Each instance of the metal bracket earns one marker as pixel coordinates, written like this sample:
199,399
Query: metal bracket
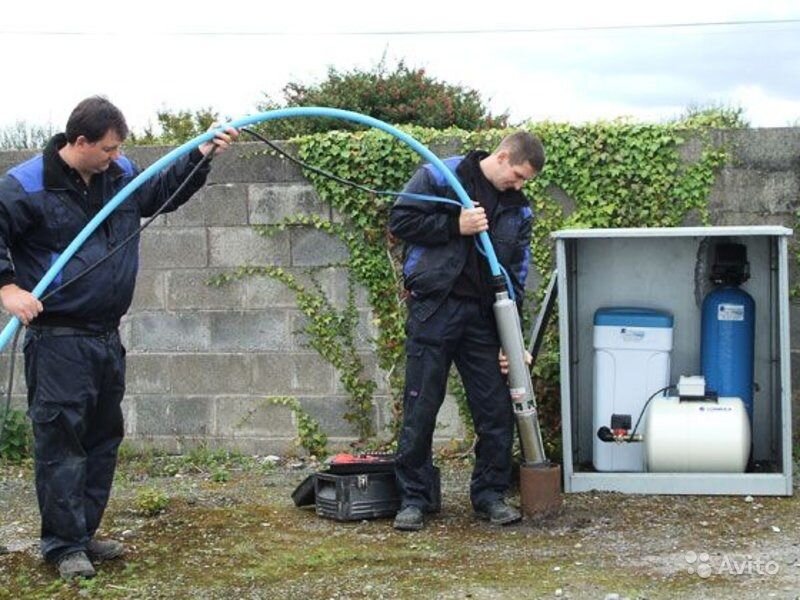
537,332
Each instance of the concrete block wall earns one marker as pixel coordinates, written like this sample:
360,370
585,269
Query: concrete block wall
202,360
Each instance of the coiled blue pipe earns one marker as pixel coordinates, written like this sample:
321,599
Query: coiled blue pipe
164,161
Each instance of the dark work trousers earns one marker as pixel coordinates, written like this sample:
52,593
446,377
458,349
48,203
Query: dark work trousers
76,381
461,332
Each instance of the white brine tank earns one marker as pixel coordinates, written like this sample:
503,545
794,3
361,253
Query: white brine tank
631,362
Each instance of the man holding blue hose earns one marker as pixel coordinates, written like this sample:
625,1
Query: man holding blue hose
450,317
74,361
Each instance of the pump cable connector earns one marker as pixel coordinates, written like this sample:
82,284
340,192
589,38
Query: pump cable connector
620,424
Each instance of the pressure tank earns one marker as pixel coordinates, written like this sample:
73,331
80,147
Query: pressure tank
696,436
727,343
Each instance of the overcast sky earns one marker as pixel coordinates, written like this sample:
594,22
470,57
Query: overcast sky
564,60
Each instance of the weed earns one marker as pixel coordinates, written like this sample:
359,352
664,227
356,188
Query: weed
16,436
220,475
150,501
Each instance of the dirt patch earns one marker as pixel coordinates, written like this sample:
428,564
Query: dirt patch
239,535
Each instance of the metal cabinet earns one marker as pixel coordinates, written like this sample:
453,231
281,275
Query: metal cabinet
667,268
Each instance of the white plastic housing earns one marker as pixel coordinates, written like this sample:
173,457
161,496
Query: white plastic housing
630,364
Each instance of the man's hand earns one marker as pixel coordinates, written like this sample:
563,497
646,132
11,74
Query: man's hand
503,360
472,220
222,140
23,305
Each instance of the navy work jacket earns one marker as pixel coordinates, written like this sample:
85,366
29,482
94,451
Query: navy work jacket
436,252
41,212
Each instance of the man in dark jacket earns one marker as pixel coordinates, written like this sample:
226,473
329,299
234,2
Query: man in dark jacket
74,361
450,317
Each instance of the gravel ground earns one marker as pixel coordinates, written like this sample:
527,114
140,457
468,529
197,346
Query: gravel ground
239,535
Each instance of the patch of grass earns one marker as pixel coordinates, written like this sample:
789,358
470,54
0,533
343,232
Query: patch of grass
150,462
150,501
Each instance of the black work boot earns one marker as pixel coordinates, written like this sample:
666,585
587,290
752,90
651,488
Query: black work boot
74,565
498,512
409,518
104,549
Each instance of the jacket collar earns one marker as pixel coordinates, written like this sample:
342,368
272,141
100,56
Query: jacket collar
58,174
470,169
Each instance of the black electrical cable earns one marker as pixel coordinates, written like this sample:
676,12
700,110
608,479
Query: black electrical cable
206,159
370,190
344,181
644,408
309,167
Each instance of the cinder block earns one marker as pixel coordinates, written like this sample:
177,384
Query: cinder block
18,386
329,412
253,416
129,415
748,190
174,415
244,331
369,362
335,283
256,446
149,293
385,406
311,374
297,325
189,289
211,374
366,331
276,374
253,162
771,149
169,332
216,204
147,374
174,247
266,292
448,423
236,246
144,156
316,248
272,374
272,204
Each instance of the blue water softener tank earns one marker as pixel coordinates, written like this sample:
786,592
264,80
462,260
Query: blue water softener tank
728,328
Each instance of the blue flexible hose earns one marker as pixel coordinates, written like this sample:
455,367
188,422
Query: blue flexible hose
283,113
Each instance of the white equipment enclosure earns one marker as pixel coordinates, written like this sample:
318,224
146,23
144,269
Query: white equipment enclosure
667,269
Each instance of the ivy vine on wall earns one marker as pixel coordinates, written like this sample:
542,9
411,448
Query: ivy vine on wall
605,174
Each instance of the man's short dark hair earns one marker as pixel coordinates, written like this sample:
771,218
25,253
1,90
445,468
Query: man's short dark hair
523,146
93,118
